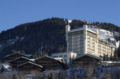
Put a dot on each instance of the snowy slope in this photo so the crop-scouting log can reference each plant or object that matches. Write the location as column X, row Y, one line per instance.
column 106, row 36
column 109, row 37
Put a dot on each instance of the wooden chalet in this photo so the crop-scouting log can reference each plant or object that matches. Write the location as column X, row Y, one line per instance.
column 12, row 56
column 86, row 61
column 30, row 66
column 50, row 63
column 20, row 60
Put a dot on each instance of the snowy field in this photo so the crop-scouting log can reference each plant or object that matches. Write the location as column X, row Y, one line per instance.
column 100, row 72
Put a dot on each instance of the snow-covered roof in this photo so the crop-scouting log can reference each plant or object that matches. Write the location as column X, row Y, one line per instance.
column 92, row 29
column 44, row 57
column 32, row 59
column 75, row 30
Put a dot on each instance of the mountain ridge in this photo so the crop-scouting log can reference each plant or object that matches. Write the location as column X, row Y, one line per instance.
column 47, row 36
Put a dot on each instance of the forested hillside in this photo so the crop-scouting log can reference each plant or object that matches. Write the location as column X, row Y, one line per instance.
column 46, row 36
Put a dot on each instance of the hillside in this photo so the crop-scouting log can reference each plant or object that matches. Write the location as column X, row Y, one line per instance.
column 47, row 36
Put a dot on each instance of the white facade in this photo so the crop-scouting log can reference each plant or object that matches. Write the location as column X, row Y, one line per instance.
column 85, row 40
column 64, row 56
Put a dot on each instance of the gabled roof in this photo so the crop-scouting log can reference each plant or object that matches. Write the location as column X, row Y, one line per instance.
column 47, row 59
column 31, row 63
column 13, row 54
column 20, row 58
column 43, row 57
column 89, row 55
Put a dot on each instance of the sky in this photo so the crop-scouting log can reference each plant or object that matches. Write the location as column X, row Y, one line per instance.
column 16, row 12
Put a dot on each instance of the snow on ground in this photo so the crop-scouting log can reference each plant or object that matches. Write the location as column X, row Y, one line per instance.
column 13, row 41
column 106, row 35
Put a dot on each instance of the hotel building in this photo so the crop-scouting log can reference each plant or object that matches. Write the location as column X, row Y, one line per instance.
column 85, row 40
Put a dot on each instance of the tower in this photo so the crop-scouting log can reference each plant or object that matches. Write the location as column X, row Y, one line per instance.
column 67, row 28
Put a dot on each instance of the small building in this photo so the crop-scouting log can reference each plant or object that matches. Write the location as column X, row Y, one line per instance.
column 86, row 61
column 30, row 66
column 64, row 56
column 50, row 63
column 61, row 56
column 20, row 60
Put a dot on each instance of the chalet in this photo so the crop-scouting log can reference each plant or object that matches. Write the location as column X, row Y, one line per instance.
column 86, row 61
column 12, row 56
column 30, row 66
column 50, row 63
column 20, row 60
